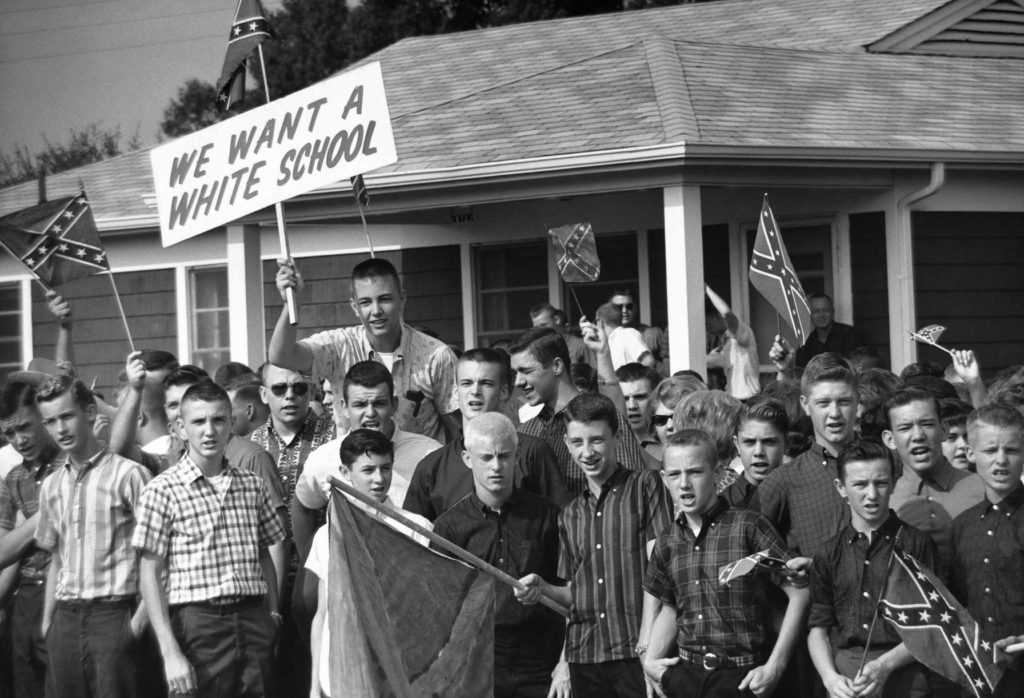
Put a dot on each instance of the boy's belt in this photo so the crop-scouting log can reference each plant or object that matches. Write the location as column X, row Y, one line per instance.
column 718, row 660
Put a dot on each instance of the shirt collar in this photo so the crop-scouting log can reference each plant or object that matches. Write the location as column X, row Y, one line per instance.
column 188, row 472
column 1010, row 503
column 942, row 478
column 403, row 344
column 709, row 518
column 821, row 454
column 616, row 477
column 889, row 528
column 89, row 462
column 485, row 510
column 311, row 417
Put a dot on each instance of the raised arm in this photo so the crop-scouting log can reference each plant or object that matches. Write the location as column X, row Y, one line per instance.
column 723, row 309
column 61, row 309
column 596, row 339
column 126, row 421
column 285, row 350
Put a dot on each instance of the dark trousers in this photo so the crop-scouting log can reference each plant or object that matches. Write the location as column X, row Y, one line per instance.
column 231, row 649
column 622, row 678
column 92, row 651
column 29, row 653
column 1012, row 683
column 911, row 681
column 519, row 678
column 684, row 680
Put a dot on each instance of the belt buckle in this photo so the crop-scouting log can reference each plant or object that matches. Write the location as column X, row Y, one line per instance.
column 711, row 661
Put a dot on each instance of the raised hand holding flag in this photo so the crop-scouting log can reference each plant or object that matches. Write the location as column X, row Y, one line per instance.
column 773, row 275
column 930, row 334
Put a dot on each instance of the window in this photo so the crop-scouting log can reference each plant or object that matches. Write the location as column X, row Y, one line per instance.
column 510, row 279
column 10, row 328
column 210, row 330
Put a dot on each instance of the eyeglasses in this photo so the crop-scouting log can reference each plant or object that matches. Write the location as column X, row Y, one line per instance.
column 299, row 389
column 623, row 306
column 660, row 420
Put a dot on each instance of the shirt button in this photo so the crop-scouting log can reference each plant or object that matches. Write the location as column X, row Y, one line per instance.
column 996, row 507
column 990, row 619
column 700, row 616
column 990, row 533
column 932, row 514
column 867, row 595
column 598, row 546
column 598, row 513
column 865, row 626
column 988, row 590
column 501, row 559
column 602, row 615
column 930, row 499
column 985, row 560
column 600, row 581
column 867, row 562
column 697, row 582
column 696, row 547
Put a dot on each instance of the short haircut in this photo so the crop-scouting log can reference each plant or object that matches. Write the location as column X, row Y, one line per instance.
column 229, row 371
column 584, row 377
column 829, row 366
column 674, row 388
column 953, row 412
column 921, row 368
column 622, row 291
column 157, row 359
column 185, row 375
column 819, row 296
column 876, row 385
column 905, row 397
column 374, row 268
column 483, row 355
column 715, row 413
column 544, row 344
column 55, row 386
column 204, row 391
column 939, row 387
column 368, row 374
column 266, row 366
column 361, row 442
column 801, row 430
column 1009, row 394
column 636, row 371
column 493, row 425
column 248, row 393
column 542, row 308
column 609, row 314
column 860, row 450
column 763, row 408
column 866, row 357
column 593, row 407
column 559, row 316
column 245, row 380
column 995, row 415
column 694, row 437
column 14, row 396
column 689, row 372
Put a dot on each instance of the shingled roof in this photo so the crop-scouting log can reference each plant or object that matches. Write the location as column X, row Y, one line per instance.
column 731, row 76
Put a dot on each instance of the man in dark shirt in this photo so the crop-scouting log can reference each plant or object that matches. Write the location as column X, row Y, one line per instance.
column 19, row 494
column 517, row 532
column 605, row 538
column 847, row 580
column 828, row 334
column 717, row 628
column 760, row 442
column 988, row 539
column 799, row 498
column 441, row 479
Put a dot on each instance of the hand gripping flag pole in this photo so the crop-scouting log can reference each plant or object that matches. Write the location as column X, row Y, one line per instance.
column 440, row 542
column 881, row 595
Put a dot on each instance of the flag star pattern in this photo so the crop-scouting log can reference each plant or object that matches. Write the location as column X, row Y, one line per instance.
column 249, row 30
column 57, row 240
column 577, row 252
column 936, row 629
column 773, row 275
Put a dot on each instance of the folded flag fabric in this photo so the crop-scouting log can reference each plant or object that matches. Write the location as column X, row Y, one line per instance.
column 359, row 191
column 249, row 30
column 773, row 275
column 937, row 630
column 577, row 252
column 57, row 240
column 745, row 566
column 404, row 620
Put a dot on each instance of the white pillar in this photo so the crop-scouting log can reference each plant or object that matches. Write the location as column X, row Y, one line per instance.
column 245, row 295
column 28, row 350
column 468, row 299
column 684, row 263
column 842, row 270
column 899, row 265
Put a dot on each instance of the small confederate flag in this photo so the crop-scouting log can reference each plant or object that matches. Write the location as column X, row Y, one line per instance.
column 56, row 240
column 577, row 252
column 937, row 630
column 359, row 191
column 772, row 274
column 249, row 30
column 746, row 565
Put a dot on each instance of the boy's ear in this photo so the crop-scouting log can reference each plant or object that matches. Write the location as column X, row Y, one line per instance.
column 888, row 439
column 840, row 488
column 803, row 405
column 467, row 460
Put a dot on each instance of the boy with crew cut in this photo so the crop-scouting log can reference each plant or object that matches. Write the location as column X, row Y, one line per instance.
column 799, row 498
column 605, row 537
column 87, row 511
column 988, row 539
column 848, row 578
column 717, row 628
column 760, row 441
column 207, row 527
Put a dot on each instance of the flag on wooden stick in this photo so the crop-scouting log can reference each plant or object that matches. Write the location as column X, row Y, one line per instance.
column 404, row 621
column 929, row 334
column 57, row 240
column 577, row 252
column 773, row 275
column 249, row 30
column 937, row 630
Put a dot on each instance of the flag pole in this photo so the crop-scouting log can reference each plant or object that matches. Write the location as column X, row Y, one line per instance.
column 120, row 307
column 918, row 338
column 442, row 543
column 366, row 229
column 878, row 601
column 282, row 235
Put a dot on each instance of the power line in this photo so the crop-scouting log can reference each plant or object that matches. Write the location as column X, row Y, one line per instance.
column 114, row 48
column 115, row 23
column 58, row 6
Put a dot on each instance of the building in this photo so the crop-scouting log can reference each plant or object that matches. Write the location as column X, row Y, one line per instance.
column 889, row 136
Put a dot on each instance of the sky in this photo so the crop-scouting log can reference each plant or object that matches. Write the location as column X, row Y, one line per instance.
column 65, row 64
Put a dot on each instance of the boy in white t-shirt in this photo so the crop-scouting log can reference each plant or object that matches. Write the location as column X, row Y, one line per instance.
column 367, row 459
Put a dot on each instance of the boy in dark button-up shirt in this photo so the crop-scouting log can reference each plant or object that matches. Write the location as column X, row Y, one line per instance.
column 988, row 538
column 516, row 531
column 847, row 579
column 719, row 631
column 760, row 441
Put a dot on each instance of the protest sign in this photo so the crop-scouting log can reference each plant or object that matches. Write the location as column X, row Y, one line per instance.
column 327, row 132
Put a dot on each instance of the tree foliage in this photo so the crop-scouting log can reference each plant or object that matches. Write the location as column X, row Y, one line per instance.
column 83, row 147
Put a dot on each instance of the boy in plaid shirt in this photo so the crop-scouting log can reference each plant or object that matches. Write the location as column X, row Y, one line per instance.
column 204, row 528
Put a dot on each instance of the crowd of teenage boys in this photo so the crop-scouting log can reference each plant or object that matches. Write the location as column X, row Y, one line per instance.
column 169, row 539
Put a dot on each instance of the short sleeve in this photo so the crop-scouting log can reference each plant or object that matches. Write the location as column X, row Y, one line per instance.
column 134, row 484
column 566, row 565
column 313, row 486
column 331, row 353
column 47, row 531
column 317, row 562
column 8, row 509
column 153, row 517
column 659, row 511
column 633, row 343
column 657, row 581
column 442, row 374
column 270, row 529
column 262, row 465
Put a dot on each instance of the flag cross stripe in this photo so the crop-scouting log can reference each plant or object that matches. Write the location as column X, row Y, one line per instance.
column 244, row 28
column 569, row 257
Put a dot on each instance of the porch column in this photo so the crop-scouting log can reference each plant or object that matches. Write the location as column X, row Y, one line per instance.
column 684, row 264
column 245, row 295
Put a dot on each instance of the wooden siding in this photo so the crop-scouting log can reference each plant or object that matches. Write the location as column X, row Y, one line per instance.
column 967, row 273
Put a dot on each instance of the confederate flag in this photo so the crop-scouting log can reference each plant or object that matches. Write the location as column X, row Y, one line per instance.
column 249, row 30
column 773, row 275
